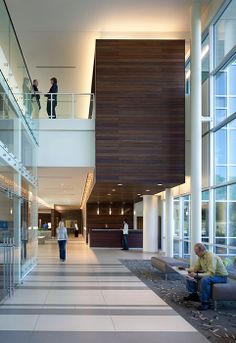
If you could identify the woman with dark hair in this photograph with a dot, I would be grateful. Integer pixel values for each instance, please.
(52, 99)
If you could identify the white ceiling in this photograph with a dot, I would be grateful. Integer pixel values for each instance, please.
(62, 186)
(63, 33)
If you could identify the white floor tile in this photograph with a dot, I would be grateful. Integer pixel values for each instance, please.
(74, 323)
(151, 323)
(131, 297)
(16, 322)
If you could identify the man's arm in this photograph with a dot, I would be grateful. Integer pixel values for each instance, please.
(196, 268)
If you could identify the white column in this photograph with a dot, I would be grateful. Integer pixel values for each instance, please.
(16, 203)
(169, 223)
(135, 219)
(196, 132)
(150, 223)
(163, 225)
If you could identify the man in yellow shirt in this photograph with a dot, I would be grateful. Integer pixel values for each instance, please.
(207, 270)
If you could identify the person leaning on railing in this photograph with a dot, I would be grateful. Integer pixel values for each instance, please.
(208, 269)
(52, 99)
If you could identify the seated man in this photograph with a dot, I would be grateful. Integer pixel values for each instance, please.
(207, 270)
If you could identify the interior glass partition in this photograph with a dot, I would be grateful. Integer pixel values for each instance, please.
(14, 71)
(18, 150)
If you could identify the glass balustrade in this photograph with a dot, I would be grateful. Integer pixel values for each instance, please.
(67, 105)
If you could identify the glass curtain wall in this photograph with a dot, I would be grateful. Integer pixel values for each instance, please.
(15, 73)
(218, 141)
(18, 152)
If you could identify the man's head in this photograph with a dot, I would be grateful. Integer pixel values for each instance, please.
(199, 249)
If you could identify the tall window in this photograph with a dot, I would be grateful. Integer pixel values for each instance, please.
(225, 92)
(205, 216)
(225, 29)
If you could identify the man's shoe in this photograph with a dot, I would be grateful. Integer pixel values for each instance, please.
(192, 297)
(204, 307)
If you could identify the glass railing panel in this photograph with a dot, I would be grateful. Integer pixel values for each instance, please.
(18, 77)
(4, 40)
(14, 69)
(68, 106)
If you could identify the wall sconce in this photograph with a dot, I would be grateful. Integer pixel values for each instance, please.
(110, 212)
(122, 209)
(98, 211)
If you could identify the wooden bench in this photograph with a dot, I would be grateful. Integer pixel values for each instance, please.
(224, 291)
(41, 239)
(165, 264)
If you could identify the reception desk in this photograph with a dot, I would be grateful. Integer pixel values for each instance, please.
(112, 238)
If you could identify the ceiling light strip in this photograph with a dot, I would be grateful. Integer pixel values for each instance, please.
(87, 189)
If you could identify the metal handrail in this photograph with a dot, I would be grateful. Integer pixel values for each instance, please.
(77, 101)
(8, 246)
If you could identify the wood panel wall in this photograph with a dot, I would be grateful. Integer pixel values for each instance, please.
(113, 221)
(140, 127)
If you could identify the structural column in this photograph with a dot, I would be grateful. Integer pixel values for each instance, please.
(150, 214)
(169, 223)
(163, 225)
(17, 203)
(196, 132)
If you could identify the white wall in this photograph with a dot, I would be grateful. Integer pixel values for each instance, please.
(138, 212)
(66, 143)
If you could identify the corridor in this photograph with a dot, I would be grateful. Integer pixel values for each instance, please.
(90, 298)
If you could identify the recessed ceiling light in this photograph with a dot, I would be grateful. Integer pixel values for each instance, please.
(147, 190)
(119, 184)
(108, 194)
(139, 194)
(159, 184)
(113, 190)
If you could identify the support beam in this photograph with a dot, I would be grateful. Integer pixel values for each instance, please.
(196, 139)
(150, 223)
(169, 223)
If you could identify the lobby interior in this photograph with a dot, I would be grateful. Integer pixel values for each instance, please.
(145, 131)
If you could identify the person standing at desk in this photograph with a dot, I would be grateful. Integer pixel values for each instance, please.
(52, 99)
(125, 245)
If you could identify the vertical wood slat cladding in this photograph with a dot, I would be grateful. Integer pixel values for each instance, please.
(140, 111)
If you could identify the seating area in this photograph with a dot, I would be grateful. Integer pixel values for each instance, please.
(224, 292)
(165, 264)
(220, 291)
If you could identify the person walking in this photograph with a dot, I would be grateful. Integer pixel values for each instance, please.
(52, 98)
(125, 245)
(208, 269)
(62, 239)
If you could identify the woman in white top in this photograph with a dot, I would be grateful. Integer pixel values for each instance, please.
(62, 238)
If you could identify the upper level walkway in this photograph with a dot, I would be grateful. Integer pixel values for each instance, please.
(90, 298)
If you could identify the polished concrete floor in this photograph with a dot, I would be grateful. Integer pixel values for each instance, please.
(91, 297)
